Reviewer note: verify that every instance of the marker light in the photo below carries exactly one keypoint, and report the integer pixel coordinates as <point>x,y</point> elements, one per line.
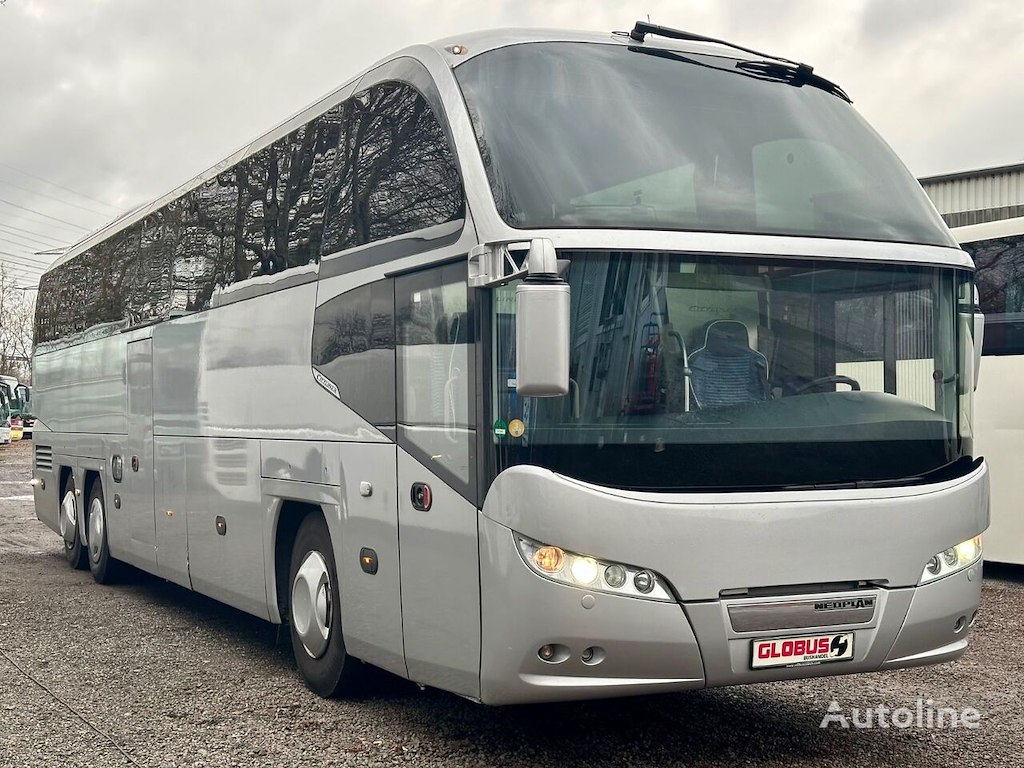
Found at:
<point>615,576</point>
<point>952,560</point>
<point>585,572</point>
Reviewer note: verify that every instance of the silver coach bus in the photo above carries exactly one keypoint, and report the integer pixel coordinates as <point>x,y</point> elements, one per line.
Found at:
<point>536,366</point>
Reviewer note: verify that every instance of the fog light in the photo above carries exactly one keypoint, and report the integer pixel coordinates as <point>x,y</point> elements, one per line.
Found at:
<point>587,656</point>
<point>644,582</point>
<point>549,559</point>
<point>546,652</point>
<point>615,576</point>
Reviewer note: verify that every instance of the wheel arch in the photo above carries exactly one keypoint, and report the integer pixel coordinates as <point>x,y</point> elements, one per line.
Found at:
<point>91,478</point>
<point>290,515</point>
<point>65,473</point>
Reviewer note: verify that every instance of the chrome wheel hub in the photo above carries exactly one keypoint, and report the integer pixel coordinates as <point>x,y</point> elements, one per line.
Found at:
<point>96,532</point>
<point>69,518</point>
<point>311,604</point>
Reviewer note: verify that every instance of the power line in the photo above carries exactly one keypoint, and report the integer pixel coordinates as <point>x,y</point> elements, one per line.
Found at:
<point>45,216</point>
<point>29,256</point>
<point>29,250</point>
<point>58,186</point>
<point>24,264</point>
<point>33,242</point>
<point>22,271</point>
<point>54,197</point>
<point>19,229</point>
<point>35,272</point>
<point>28,278</point>
<point>22,242</point>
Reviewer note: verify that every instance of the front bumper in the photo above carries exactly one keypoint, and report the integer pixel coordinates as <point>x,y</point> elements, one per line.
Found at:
<point>643,646</point>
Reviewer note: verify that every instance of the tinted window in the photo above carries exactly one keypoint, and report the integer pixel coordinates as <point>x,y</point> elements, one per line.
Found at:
<point>1000,281</point>
<point>590,135</point>
<point>261,216</point>
<point>354,347</point>
<point>394,171</point>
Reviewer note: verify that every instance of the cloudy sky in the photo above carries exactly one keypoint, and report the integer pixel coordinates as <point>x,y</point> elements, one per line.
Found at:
<point>107,104</point>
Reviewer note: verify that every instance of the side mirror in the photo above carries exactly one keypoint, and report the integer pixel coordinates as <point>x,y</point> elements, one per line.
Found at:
<point>542,325</point>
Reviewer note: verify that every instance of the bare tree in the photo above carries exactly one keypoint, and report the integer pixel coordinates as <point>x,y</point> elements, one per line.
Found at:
<point>16,310</point>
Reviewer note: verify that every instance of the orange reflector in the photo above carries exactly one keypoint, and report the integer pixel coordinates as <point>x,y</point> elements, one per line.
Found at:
<point>549,559</point>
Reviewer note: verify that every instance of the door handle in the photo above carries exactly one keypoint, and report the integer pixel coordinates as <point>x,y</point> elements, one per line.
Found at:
<point>421,496</point>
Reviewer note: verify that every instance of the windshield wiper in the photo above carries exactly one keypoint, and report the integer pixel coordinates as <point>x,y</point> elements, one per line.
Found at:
<point>778,69</point>
<point>950,471</point>
<point>793,74</point>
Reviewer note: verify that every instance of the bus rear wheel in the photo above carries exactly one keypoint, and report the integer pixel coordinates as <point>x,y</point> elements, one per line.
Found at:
<point>74,552</point>
<point>314,610</point>
<point>104,567</point>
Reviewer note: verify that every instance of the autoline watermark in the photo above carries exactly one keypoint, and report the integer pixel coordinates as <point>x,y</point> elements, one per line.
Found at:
<point>924,715</point>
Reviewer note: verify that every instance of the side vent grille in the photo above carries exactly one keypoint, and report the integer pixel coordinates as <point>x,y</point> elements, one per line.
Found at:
<point>44,458</point>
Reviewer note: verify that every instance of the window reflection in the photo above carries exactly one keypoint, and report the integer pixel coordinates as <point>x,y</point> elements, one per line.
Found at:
<point>436,406</point>
<point>354,347</point>
<point>1000,280</point>
<point>394,172</point>
<point>376,166</point>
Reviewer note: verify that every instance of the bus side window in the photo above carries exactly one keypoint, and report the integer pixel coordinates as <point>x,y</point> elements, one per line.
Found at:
<point>354,347</point>
<point>400,177</point>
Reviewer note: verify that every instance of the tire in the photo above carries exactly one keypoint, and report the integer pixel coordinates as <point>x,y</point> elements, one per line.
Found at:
<point>314,613</point>
<point>70,520</point>
<point>104,567</point>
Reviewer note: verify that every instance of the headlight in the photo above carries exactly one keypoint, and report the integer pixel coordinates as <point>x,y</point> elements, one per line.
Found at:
<point>952,560</point>
<point>591,573</point>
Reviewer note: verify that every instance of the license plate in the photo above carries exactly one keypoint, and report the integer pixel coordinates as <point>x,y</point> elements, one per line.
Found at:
<point>809,649</point>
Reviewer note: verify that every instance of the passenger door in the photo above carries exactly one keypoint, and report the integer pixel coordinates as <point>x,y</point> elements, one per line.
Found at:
<point>436,438</point>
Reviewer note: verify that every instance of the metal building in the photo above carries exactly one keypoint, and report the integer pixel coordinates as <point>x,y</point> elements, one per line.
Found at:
<point>974,197</point>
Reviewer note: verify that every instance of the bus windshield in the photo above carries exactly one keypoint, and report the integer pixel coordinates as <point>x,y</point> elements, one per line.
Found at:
<point>609,136</point>
<point>707,372</point>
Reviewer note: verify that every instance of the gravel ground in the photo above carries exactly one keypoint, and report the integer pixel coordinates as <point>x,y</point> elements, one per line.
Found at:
<point>146,673</point>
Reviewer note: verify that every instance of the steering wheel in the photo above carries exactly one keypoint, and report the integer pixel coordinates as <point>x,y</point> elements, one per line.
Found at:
<point>823,380</point>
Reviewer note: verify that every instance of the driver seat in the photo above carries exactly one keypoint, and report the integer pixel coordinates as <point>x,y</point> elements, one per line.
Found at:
<point>726,371</point>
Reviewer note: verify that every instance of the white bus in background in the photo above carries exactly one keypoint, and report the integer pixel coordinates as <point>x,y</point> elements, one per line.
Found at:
<point>536,366</point>
<point>998,251</point>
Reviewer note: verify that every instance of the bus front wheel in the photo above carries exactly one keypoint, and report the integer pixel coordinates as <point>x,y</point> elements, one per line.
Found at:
<point>314,611</point>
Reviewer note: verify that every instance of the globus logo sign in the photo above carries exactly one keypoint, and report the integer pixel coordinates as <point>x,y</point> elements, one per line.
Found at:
<point>784,651</point>
<point>802,647</point>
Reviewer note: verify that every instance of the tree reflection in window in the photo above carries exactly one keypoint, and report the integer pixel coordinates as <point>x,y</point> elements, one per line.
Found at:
<point>395,171</point>
<point>376,166</point>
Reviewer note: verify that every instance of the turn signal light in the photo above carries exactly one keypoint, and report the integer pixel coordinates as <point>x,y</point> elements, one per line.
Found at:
<point>549,559</point>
